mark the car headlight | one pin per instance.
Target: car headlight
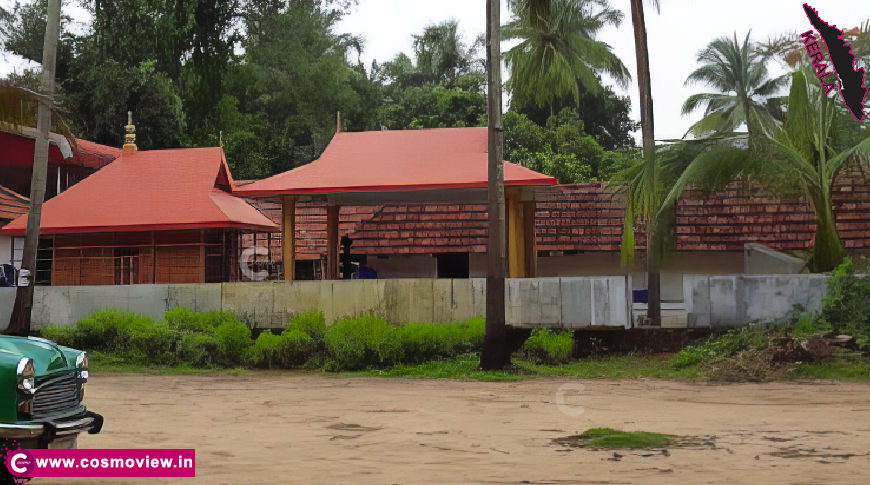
(26, 376)
(82, 366)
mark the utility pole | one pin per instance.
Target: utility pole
(496, 353)
(19, 324)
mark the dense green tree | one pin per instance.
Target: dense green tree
(22, 32)
(442, 57)
(605, 115)
(559, 52)
(99, 95)
(561, 148)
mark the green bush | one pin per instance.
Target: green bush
(198, 349)
(730, 344)
(292, 348)
(185, 320)
(360, 342)
(233, 338)
(691, 355)
(110, 329)
(66, 335)
(311, 323)
(422, 342)
(152, 344)
(846, 306)
(809, 324)
(549, 347)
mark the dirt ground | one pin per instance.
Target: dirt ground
(270, 428)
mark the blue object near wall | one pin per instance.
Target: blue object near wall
(640, 296)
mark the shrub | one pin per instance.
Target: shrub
(809, 324)
(846, 306)
(152, 344)
(549, 347)
(185, 320)
(290, 349)
(198, 349)
(66, 335)
(110, 329)
(233, 338)
(425, 341)
(689, 356)
(311, 323)
(360, 342)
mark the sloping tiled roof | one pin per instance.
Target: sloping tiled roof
(18, 151)
(156, 190)
(388, 161)
(12, 204)
(588, 217)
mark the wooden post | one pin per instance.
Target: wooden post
(202, 271)
(288, 237)
(531, 243)
(516, 239)
(332, 242)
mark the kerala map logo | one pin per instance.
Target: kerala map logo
(9, 448)
(850, 80)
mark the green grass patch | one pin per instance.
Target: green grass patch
(611, 439)
(466, 367)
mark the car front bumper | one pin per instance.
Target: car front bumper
(45, 432)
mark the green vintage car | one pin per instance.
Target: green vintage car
(42, 386)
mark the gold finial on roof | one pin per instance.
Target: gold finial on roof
(130, 137)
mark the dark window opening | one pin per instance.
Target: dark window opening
(307, 270)
(453, 265)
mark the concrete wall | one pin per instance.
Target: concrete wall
(709, 300)
(552, 302)
(722, 301)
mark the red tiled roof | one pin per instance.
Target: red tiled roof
(18, 151)
(12, 204)
(387, 161)
(588, 217)
(157, 190)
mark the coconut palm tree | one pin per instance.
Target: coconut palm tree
(817, 139)
(738, 72)
(558, 51)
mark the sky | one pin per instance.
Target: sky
(676, 34)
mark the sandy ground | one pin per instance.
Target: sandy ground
(274, 428)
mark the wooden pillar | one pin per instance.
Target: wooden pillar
(531, 244)
(202, 255)
(332, 212)
(516, 241)
(522, 248)
(288, 237)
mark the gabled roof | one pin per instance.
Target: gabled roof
(157, 190)
(396, 161)
(12, 204)
(18, 147)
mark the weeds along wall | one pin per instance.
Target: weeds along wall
(717, 301)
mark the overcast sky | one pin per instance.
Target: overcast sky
(675, 35)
